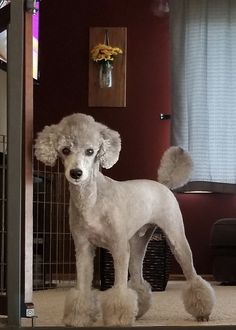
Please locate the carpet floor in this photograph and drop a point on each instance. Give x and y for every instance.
(167, 307)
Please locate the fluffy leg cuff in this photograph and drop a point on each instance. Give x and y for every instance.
(80, 308)
(119, 306)
(199, 298)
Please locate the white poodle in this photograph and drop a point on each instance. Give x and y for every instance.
(121, 217)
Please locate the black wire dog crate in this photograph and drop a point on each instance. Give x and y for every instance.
(53, 247)
(156, 264)
(54, 256)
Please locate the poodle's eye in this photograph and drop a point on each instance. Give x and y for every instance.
(89, 152)
(66, 151)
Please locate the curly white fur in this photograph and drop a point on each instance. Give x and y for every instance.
(175, 168)
(118, 216)
(119, 306)
(84, 305)
(199, 298)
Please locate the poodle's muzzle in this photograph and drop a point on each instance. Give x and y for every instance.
(78, 167)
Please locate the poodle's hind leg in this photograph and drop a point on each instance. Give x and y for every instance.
(119, 304)
(138, 245)
(198, 296)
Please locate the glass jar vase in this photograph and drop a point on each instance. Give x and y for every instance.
(105, 74)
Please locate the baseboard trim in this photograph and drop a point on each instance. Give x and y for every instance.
(180, 277)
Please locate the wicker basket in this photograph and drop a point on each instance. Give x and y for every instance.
(156, 265)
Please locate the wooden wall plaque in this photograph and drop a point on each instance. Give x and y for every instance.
(114, 96)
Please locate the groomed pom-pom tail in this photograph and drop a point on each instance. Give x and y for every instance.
(175, 168)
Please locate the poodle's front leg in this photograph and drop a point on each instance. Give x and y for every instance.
(119, 304)
(80, 304)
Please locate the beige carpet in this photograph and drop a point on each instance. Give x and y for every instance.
(167, 308)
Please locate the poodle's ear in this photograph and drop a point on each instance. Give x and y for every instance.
(45, 145)
(110, 147)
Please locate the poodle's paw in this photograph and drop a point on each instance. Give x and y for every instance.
(199, 298)
(119, 306)
(144, 296)
(202, 318)
(77, 320)
(80, 308)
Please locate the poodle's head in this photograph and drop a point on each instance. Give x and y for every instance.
(83, 145)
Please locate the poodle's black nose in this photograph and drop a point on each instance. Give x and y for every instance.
(76, 173)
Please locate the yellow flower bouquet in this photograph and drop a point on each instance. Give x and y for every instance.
(103, 52)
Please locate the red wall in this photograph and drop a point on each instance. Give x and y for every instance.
(63, 89)
(200, 211)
